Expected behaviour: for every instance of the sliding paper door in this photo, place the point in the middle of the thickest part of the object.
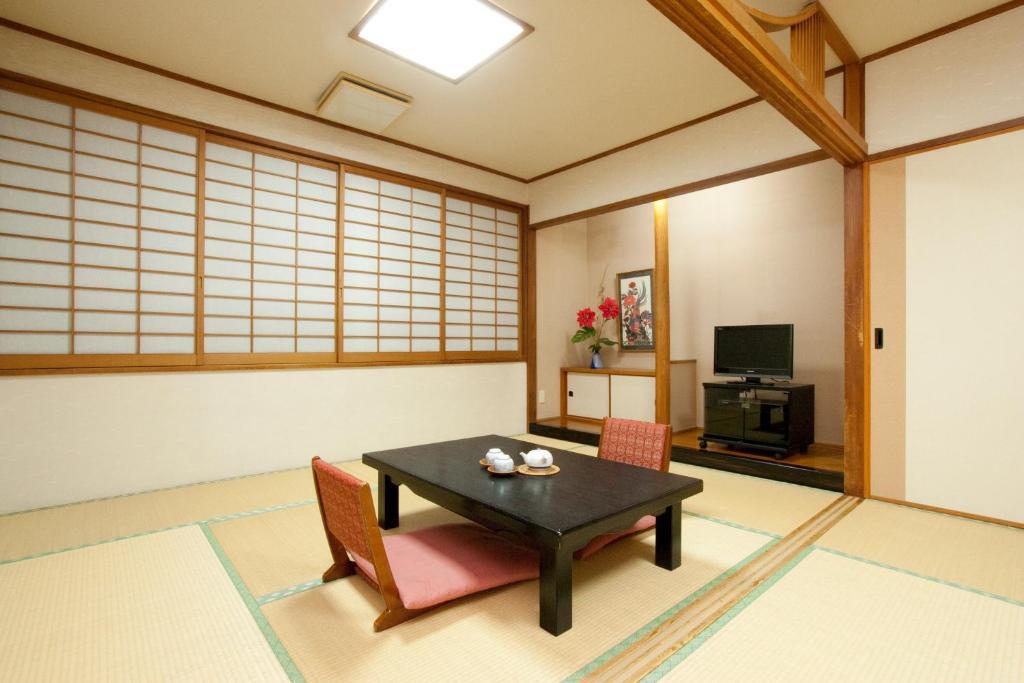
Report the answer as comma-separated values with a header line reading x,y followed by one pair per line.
x,y
97,235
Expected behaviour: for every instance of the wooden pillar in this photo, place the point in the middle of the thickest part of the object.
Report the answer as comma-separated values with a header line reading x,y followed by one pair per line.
x,y
856,294
530,326
853,95
662,350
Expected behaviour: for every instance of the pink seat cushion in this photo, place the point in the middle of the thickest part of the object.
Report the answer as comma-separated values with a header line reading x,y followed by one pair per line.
x,y
445,562
601,541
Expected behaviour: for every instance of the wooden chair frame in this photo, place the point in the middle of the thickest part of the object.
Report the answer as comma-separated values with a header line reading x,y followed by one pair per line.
x,y
395,612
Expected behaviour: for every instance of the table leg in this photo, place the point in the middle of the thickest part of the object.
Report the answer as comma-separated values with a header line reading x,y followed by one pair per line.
x,y
555,590
667,542
387,502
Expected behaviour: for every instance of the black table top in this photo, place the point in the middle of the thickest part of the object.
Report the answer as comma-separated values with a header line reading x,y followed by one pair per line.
x,y
586,490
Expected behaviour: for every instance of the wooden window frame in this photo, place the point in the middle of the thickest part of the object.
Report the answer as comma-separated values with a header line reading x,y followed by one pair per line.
x,y
519,353
21,364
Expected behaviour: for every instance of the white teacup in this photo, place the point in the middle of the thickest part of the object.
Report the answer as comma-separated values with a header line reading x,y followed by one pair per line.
x,y
494,454
505,464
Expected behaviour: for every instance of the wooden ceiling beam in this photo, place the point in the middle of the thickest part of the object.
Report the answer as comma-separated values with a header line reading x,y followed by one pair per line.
x,y
727,30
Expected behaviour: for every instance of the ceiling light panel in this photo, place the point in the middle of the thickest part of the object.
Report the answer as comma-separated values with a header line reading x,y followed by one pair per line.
x,y
448,37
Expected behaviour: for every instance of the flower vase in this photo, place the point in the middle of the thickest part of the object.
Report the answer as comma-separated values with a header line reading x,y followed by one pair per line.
x,y
595,360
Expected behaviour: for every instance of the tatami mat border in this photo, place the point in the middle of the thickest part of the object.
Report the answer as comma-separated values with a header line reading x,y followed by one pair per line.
x,y
698,640
268,632
289,591
926,577
212,520
658,620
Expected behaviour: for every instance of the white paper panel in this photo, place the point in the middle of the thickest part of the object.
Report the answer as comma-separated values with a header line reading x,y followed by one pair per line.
x,y
37,297
34,226
157,344
214,344
86,299
34,343
34,131
35,107
36,321
105,343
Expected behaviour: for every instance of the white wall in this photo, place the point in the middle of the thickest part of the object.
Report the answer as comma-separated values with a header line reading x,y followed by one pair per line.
x,y
965,355
764,250
962,80
562,289
49,61
77,437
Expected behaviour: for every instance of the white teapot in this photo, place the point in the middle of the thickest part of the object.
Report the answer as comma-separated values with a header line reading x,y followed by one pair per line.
x,y
538,458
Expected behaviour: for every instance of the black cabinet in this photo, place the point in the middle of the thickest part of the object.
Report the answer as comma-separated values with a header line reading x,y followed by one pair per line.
x,y
774,417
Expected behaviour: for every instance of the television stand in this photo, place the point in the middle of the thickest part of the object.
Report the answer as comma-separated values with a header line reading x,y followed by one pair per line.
x,y
774,418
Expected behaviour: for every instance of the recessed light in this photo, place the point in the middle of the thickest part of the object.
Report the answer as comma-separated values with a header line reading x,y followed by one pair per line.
x,y
451,38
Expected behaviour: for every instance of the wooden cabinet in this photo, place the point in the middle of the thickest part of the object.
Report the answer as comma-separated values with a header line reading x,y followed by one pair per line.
x,y
593,394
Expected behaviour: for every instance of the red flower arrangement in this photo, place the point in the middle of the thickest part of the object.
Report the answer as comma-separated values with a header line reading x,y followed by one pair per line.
x,y
585,318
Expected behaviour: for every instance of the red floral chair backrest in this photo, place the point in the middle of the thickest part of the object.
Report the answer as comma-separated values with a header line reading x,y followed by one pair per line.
x,y
341,501
644,444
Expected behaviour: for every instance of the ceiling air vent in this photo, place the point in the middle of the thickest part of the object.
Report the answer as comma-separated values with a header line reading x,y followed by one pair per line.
x,y
361,104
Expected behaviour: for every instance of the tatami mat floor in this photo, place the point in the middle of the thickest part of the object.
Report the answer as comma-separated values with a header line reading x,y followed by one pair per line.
x,y
220,581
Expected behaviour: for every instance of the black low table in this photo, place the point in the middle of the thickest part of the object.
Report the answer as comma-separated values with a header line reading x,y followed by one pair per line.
x,y
559,513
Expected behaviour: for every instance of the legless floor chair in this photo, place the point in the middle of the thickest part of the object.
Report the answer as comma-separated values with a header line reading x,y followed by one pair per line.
x,y
417,570
644,444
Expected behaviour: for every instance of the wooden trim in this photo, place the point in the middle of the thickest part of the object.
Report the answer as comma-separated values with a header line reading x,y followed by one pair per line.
x,y
124,364
943,30
167,120
835,38
661,309
724,29
807,50
857,443
687,188
527,30
1008,126
628,372
82,47
684,360
947,511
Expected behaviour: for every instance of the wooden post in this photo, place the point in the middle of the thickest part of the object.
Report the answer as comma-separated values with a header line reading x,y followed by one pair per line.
x,y
530,328
856,305
662,350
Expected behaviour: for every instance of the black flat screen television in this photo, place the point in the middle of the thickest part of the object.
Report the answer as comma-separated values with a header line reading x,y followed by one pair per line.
x,y
754,351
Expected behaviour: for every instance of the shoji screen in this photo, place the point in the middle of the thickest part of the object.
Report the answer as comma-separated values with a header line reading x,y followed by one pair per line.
x,y
392,269
270,255
97,235
481,279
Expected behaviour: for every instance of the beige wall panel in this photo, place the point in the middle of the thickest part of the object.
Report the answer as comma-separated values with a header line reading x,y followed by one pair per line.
x,y
685,390
561,291
962,80
754,135
619,242
86,436
965,235
888,260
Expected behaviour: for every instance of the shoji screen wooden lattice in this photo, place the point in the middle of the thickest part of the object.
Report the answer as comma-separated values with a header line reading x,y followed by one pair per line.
x,y
392,269
270,256
97,235
482,275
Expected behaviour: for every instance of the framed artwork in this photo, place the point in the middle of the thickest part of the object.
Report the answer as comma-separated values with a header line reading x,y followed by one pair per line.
x,y
636,310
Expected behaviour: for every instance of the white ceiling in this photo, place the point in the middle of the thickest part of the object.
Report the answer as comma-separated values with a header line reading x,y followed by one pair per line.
x,y
593,75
